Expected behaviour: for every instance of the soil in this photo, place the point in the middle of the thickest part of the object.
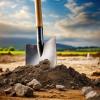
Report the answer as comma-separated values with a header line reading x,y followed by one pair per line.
x,y
51,95
49,78
5,59
80,64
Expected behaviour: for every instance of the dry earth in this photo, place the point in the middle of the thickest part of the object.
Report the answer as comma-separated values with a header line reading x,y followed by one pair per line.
x,y
52,95
11,62
80,64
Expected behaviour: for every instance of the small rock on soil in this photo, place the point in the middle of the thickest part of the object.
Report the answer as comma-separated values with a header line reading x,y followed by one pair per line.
x,y
35,84
22,90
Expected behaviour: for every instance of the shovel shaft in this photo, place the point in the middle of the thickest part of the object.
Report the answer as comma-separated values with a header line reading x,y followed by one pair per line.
x,y
38,13
39,25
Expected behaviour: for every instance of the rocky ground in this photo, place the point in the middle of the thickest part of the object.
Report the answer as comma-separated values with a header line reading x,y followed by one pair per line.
x,y
62,77
51,95
49,78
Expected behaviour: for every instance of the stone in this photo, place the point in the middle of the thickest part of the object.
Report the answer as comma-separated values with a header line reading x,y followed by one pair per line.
x,y
11,83
60,87
23,91
45,64
51,86
8,90
73,87
7,70
96,82
86,90
5,81
35,84
13,93
92,95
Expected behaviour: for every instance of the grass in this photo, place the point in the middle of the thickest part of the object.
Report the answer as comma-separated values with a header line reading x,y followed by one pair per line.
x,y
76,53
59,53
12,52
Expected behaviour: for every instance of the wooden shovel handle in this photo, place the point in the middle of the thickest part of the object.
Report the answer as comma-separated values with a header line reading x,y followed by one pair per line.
x,y
38,13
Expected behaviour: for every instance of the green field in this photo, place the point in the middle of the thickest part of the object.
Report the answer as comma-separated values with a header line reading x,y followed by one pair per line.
x,y
77,53
59,53
12,52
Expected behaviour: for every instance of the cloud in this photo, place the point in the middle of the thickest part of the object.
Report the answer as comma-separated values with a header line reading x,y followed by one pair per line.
x,y
17,18
16,13
11,4
78,23
5,3
8,30
53,15
74,8
22,13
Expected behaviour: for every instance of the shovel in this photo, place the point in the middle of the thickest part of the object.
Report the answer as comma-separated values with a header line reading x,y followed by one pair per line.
x,y
41,51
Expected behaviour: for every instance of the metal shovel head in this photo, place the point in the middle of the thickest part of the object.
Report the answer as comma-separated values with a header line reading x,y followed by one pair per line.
x,y
49,52
31,54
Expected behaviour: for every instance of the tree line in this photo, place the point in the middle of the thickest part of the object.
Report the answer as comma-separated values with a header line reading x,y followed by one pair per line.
x,y
8,49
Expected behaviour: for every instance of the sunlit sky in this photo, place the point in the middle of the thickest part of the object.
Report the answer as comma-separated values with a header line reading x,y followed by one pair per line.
x,y
73,22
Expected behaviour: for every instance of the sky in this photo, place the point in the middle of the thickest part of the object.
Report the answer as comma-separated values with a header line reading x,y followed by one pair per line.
x,y
73,22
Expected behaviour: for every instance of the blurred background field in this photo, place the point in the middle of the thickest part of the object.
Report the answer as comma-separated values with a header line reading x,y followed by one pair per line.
x,y
78,53
93,51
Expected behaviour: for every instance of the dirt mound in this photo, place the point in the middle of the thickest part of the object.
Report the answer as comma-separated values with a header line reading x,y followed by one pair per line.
x,y
60,75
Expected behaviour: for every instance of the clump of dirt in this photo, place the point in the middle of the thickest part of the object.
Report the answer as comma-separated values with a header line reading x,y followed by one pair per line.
x,y
95,74
1,70
48,77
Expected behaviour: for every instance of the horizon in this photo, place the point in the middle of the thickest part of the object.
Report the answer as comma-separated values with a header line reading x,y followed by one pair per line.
x,y
73,22
20,43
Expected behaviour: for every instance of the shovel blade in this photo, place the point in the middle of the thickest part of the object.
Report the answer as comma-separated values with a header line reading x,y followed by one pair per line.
x,y
49,52
31,54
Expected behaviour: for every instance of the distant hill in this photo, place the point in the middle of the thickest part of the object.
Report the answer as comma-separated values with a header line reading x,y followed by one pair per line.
x,y
20,43
64,47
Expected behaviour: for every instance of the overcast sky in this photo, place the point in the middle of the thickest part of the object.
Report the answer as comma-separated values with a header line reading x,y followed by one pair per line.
x,y
73,22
